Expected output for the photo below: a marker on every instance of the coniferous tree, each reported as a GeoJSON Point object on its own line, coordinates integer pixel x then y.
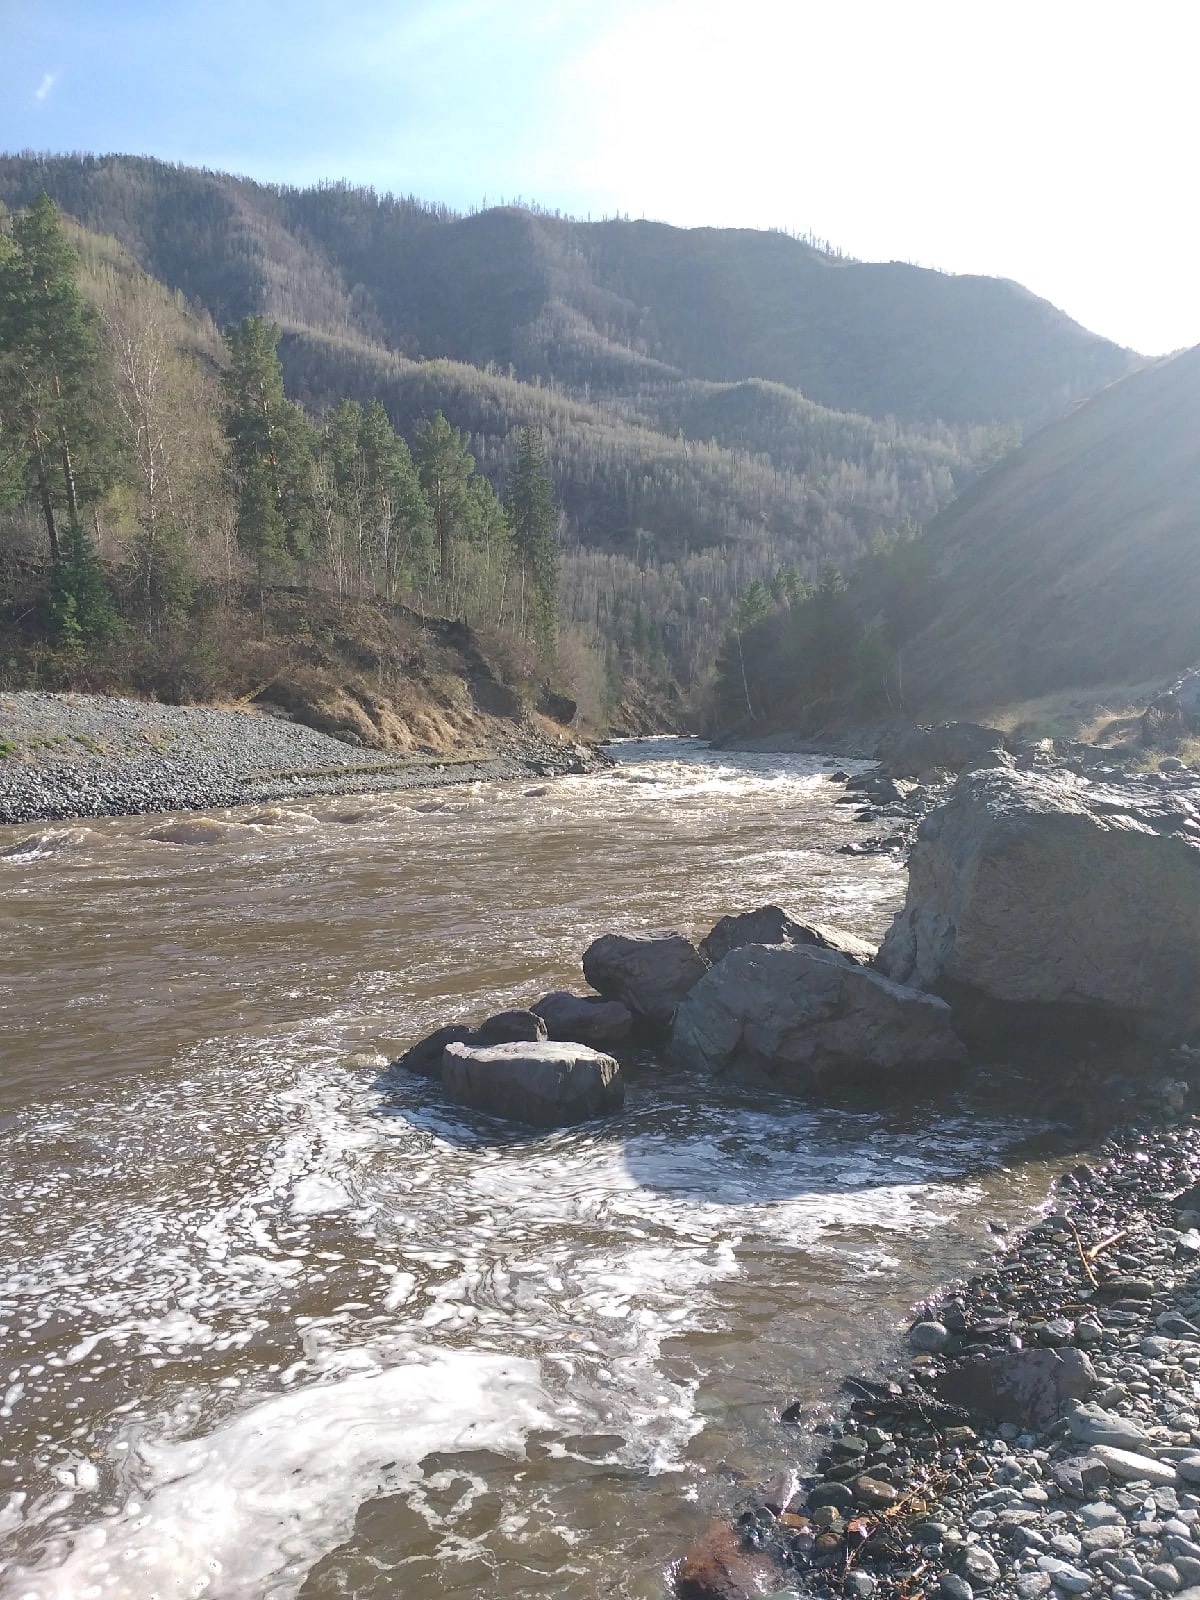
{"type": "Point", "coordinates": [400, 521]}
{"type": "Point", "coordinates": [273, 448]}
{"type": "Point", "coordinates": [533, 512]}
{"type": "Point", "coordinates": [52, 376]}
{"type": "Point", "coordinates": [445, 466]}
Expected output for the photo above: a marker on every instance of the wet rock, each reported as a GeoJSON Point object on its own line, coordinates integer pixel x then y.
{"type": "Point", "coordinates": [720, 1566]}
{"type": "Point", "coordinates": [873, 1492]}
{"type": "Point", "coordinates": [778, 1494]}
{"type": "Point", "coordinates": [797, 1015]}
{"type": "Point", "coordinates": [544, 1084]}
{"type": "Point", "coordinates": [584, 1019]}
{"type": "Point", "coordinates": [837, 1495]}
{"type": "Point", "coordinates": [1028, 1388]}
{"type": "Point", "coordinates": [1028, 889]}
{"type": "Point", "coordinates": [425, 1057]}
{"type": "Point", "coordinates": [1175, 713]}
{"type": "Point", "coordinates": [953, 1587]}
{"type": "Point", "coordinates": [649, 973]}
{"type": "Point", "coordinates": [929, 1336]}
{"type": "Point", "coordinates": [950, 746]}
{"type": "Point", "coordinates": [773, 925]}
{"type": "Point", "coordinates": [510, 1027]}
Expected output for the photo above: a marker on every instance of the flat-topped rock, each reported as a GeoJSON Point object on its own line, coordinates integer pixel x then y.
{"type": "Point", "coordinates": [542, 1083]}
{"type": "Point", "coordinates": [799, 1016]}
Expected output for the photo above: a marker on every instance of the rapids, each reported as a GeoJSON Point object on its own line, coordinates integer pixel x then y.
{"type": "Point", "coordinates": [276, 1323]}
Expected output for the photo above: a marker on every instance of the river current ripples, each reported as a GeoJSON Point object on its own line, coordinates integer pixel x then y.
{"type": "Point", "coordinates": [275, 1322]}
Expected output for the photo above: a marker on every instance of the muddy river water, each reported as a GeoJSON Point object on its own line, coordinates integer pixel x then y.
{"type": "Point", "coordinates": [275, 1323]}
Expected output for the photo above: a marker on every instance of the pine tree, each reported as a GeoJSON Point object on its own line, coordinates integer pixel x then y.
{"type": "Point", "coordinates": [445, 466]}
{"type": "Point", "coordinates": [52, 374]}
{"type": "Point", "coordinates": [533, 512]}
{"type": "Point", "coordinates": [400, 520]}
{"type": "Point", "coordinates": [273, 450]}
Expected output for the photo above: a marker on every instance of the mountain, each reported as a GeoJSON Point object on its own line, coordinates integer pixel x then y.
{"type": "Point", "coordinates": [609, 305]}
{"type": "Point", "coordinates": [1076, 560]}
{"type": "Point", "coordinates": [718, 404]}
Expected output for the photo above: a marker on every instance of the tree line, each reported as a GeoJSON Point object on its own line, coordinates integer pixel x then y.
{"type": "Point", "coordinates": [799, 653]}
{"type": "Point", "coordinates": [162, 463]}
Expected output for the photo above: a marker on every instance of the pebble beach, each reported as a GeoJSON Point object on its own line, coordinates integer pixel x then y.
{"type": "Point", "coordinates": [64, 756]}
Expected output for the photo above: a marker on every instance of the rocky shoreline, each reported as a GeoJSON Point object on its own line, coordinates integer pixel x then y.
{"type": "Point", "coordinates": [73, 756]}
{"type": "Point", "coordinates": [1043, 1437]}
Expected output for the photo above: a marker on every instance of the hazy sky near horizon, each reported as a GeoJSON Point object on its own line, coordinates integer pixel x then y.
{"type": "Point", "coordinates": [1050, 141]}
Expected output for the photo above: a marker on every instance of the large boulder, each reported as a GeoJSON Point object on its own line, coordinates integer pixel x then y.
{"type": "Point", "coordinates": [773, 925]}
{"type": "Point", "coordinates": [1174, 714]}
{"type": "Point", "coordinates": [584, 1018]}
{"type": "Point", "coordinates": [952, 746]}
{"type": "Point", "coordinates": [1028, 1388]}
{"type": "Point", "coordinates": [547, 1085]}
{"type": "Point", "coordinates": [801, 1016]}
{"type": "Point", "coordinates": [1045, 890]}
{"type": "Point", "coordinates": [648, 972]}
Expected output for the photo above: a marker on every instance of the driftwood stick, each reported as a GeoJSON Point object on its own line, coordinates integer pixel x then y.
{"type": "Point", "coordinates": [1105, 1244]}
{"type": "Point", "coordinates": [1084, 1262]}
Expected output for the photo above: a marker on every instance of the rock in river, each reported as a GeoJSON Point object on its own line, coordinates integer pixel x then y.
{"type": "Point", "coordinates": [773, 925]}
{"type": "Point", "coordinates": [506, 1027]}
{"type": "Point", "coordinates": [799, 1015]}
{"type": "Point", "coordinates": [952, 746]}
{"type": "Point", "coordinates": [584, 1019]}
{"type": "Point", "coordinates": [1026, 888]}
{"type": "Point", "coordinates": [544, 1084]}
{"type": "Point", "coordinates": [648, 972]}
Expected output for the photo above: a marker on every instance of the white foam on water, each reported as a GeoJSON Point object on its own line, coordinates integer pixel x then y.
{"type": "Point", "coordinates": [242, 1512]}
{"type": "Point", "coordinates": [48, 843]}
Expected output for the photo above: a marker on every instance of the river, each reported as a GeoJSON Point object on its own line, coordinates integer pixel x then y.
{"type": "Point", "coordinates": [274, 1323]}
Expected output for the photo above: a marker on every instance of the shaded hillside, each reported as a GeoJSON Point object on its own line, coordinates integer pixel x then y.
{"type": "Point", "coordinates": [1076, 561]}
{"type": "Point", "coordinates": [607, 305]}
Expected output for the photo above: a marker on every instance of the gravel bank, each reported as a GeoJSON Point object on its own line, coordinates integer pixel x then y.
{"type": "Point", "coordinates": [1044, 1438]}
{"type": "Point", "coordinates": [64, 756]}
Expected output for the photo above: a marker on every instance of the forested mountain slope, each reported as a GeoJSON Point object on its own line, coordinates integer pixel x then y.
{"type": "Point", "coordinates": [720, 408]}
{"type": "Point", "coordinates": [608, 305]}
{"type": "Point", "coordinates": [1076, 561]}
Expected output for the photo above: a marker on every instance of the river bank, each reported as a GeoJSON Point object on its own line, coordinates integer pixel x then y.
{"type": "Point", "coordinates": [1042, 1438]}
{"type": "Point", "coordinates": [74, 756]}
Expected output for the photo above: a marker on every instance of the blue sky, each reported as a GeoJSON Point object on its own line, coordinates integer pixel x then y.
{"type": "Point", "coordinates": [1050, 141]}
